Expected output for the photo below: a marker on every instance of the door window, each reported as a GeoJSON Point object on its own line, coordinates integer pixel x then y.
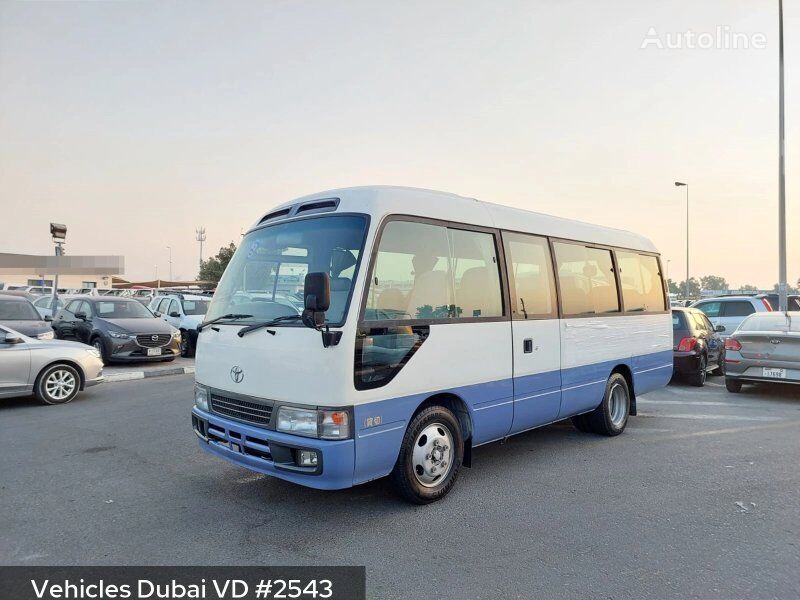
{"type": "Point", "coordinates": [531, 276]}
{"type": "Point", "coordinates": [640, 279]}
{"type": "Point", "coordinates": [711, 309]}
{"type": "Point", "coordinates": [737, 309]}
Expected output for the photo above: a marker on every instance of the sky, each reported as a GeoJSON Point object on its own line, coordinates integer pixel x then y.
{"type": "Point", "coordinates": [136, 122]}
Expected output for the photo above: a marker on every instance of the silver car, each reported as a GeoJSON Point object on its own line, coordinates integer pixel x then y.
{"type": "Point", "coordinates": [53, 370]}
{"type": "Point", "coordinates": [765, 347]}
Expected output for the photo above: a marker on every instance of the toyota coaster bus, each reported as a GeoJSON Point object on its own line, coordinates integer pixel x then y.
{"type": "Point", "coordinates": [375, 331]}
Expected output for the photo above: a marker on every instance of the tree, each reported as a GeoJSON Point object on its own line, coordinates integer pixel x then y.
{"type": "Point", "coordinates": [673, 287]}
{"type": "Point", "coordinates": [213, 268]}
{"type": "Point", "coordinates": [747, 287]}
{"type": "Point", "coordinates": [693, 291]}
{"type": "Point", "coordinates": [712, 282]}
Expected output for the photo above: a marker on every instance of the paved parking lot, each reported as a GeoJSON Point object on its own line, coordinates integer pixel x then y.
{"type": "Point", "coordinates": [698, 499]}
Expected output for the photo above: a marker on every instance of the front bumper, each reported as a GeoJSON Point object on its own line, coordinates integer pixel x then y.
{"type": "Point", "coordinates": [129, 351]}
{"type": "Point", "coordinates": [270, 452]}
{"type": "Point", "coordinates": [97, 380]}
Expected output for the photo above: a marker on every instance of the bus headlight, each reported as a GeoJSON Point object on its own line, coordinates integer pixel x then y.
{"type": "Point", "coordinates": [201, 397]}
{"type": "Point", "coordinates": [299, 421]}
{"type": "Point", "coordinates": [324, 424]}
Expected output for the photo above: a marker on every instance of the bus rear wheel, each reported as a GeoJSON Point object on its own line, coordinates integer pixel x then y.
{"type": "Point", "coordinates": [430, 456]}
{"type": "Point", "coordinates": [611, 417]}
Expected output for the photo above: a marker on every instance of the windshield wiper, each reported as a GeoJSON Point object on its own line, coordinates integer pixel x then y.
{"type": "Point", "coordinates": [270, 323]}
{"type": "Point", "coordinates": [231, 316]}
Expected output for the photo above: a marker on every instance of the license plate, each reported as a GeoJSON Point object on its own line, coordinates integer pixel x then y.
{"type": "Point", "coordinates": [154, 352]}
{"type": "Point", "coordinates": [775, 373]}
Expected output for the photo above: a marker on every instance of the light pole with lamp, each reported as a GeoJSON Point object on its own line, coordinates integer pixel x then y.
{"type": "Point", "coordinates": [170, 262]}
{"type": "Point", "coordinates": [58, 232]}
{"type": "Point", "coordinates": [686, 185]}
{"type": "Point", "coordinates": [783, 300]}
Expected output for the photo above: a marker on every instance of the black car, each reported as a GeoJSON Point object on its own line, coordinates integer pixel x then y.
{"type": "Point", "coordinates": [120, 328]}
{"type": "Point", "coordinates": [19, 314]}
{"type": "Point", "coordinates": [697, 348]}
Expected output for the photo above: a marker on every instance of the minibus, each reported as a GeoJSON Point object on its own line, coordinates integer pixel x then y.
{"type": "Point", "coordinates": [386, 331]}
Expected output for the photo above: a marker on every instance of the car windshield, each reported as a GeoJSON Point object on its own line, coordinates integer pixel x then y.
{"type": "Point", "coordinates": [266, 275]}
{"type": "Point", "coordinates": [16, 310]}
{"type": "Point", "coordinates": [121, 309]}
{"type": "Point", "coordinates": [195, 307]}
{"type": "Point", "coordinates": [678, 321]}
{"type": "Point", "coordinates": [779, 322]}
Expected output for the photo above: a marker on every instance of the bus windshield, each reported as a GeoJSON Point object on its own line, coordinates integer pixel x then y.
{"type": "Point", "coordinates": [266, 275]}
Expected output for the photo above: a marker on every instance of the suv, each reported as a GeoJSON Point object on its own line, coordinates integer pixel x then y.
{"type": "Point", "coordinates": [794, 301]}
{"type": "Point", "coordinates": [726, 313]}
{"type": "Point", "coordinates": [184, 312]}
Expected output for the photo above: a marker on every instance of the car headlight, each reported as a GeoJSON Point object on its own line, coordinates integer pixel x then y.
{"type": "Point", "coordinates": [94, 352]}
{"type": "Point", "coordinates": [176, 333]}
{"type": "Point", "coordinates": [201, 397]}
{"type": "Point", "coordinates": [324, 424]}
{"type": "Point", "coordinates": [47, 335]}
{"type": "Point", "coordinates": [120, 335]}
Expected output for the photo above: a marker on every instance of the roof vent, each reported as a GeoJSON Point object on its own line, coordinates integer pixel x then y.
{"type": "Point", "coordinates": [276, 214]}
{"type": "Point", "coordinates": [326, 205]}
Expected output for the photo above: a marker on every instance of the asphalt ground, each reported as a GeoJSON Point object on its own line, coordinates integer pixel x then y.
{"type": "Point", "coordinates": [697, 499]}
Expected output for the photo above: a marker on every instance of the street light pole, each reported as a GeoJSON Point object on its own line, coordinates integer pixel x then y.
{"type": "Point", "coordinates": [170, 262]}
{"type": "Point", "coordinates": [59, 234]}
{"type": "Point", "coordinates": [782, 287]}
{"type": "Point", "coordinates": [686, 185]}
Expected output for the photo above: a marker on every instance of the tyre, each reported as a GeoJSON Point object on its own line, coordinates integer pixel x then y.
{"type": "Point", "coordinates": [698, 379]}
{"type": "Point", "coordinates": [611, 417]}
{"type": "Point", "coordinates": [581, 423]}
{"type": "Point", "coordinates": [57, 384]}
{"type": "Point", "coordinates": [98, 344]}
{"type": "Point", "coordinates": [187, 350]}
{"type": "Point", "coordinates": [732, 385]}
{"type": "Point", "coordinates": [430, 456]}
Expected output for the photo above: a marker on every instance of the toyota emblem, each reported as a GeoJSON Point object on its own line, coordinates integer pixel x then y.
{"type": "Point", "coordinates": [237, 374]}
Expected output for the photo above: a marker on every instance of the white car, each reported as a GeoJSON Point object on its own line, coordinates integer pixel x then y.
{"type": "Point", "coordinates": [184, 312]}
{"type": "Point", "coordinates": [52, 370]}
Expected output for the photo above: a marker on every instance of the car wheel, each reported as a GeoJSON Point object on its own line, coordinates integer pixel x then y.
{"type": "Point", "coordinates": [98, 344]}
{"type": "Point", "coordinates": [430, 456]}
{"type": "Point", "coordinates": [57, 384]}
{"type": "Point", "coordinates": [187, 351]}
{"type": "Point", "coordinates": [732, 385]}
{"type": "Point", "coordinates": [611, 417]}
{"type": "Point", "coordinates": [698, 379]}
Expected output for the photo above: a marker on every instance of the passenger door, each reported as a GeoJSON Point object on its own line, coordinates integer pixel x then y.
{"type": "Point", "coordinates": [535, 331]}
{"type": "Point", "coordinates": [64, 323]}
{"type": "Point", "coordinates": [83, 327]}
{"type": "Point", "coordinates": [173, 308]}
{"type": "Point", "coordinates": [15, 366]}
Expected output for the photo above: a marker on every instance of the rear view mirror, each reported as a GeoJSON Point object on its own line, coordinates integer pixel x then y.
{"type": "Point", "coordinates": [719, 328]}
{"type": "Point", "coordinates": [156, 313]}
{"type": "Point", "coordinates": [12, 338]}
{"type": "Point", "coordinates": [175, 315]}
{"type": "Point", "coordinates": [317, 292]}
{"type": "Point", "coordinates": [48, 318]}
{"type": "Point", "coordinates": [80, 315]}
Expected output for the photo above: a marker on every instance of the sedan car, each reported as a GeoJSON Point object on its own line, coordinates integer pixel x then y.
{"type": "Point", "coordinates": [19, 314]}
{"type": "Point", "coordinates": [765, 347]}
{"type": "Point", "coordinates": [697, 347]}
{"type": "Point", "coordinates": [121, 329]}
{"type": "Point", "coordinates": [54, 371]}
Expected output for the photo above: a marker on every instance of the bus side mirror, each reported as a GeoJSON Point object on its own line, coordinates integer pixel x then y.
{"type": "Point", "coordinates": [317, 294]}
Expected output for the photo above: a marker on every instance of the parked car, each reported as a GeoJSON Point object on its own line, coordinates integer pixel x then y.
{"type": "Point", "coordinates": [697, 348]}
{"type": "Point", "coordinates": [44, 304]}
{"type": "Point", "coordinates": [729, 311]}
{"type": "Point", "coordinates": [144, 296]}
{"type": "Point", "coordinates": [184, 312]}
{"type": "Point", "coordinates": [19, 294]}
{"type": "Point", "coordinates": [54, 371]}
{"type": "Point", "coordinates": [794, 301]}
{"type": "Point", "coordinates": [765, 347]}
{"type": "Point", "coordinates": [18, 313]}
{"type": "Point", "coordinates": [121, 329]}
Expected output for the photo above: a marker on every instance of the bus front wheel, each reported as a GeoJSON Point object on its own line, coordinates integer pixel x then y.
{"type": "Point", "coordinates": [430, 456]}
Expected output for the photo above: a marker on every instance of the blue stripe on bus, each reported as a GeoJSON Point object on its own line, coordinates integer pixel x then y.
{"type": "Point", "coordinates": [496, 411]}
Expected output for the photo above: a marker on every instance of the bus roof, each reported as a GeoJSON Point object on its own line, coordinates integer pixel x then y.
{"type": "Point", "coordinates": [379, 201]}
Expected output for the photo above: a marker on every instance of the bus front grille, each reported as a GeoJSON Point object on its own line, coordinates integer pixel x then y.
{"type": "Point", "coordinates": [242, 410]}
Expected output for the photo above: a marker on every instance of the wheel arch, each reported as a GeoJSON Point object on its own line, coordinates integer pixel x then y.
{"type": "Point", "coordinates": [62, 361]}
{"type": "Point", "coordinates": [626, 372]}
{"type": "Point", "coordinates": [459, 408]}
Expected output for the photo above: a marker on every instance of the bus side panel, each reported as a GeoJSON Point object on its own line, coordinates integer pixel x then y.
{"type": "Point", "coordinates": [377, 446]}
{"type": "Point", "coordinates": [652, 356]}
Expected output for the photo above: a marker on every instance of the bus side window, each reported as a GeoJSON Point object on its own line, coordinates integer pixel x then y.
{"type": "Point", "coordinates": [587, 280]}
{"type": "Point", "coordinates": [531, 276]}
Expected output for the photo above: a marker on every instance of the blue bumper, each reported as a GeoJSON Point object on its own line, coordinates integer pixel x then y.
{"type": "Point", "coordinates": [270, 452]}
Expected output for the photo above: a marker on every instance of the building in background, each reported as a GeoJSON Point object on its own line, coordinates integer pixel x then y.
{"type": "Point", "coordinates": [73, 271]}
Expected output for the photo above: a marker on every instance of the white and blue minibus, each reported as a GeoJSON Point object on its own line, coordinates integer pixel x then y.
{"type": "Point", "coordinates": [386, 331]}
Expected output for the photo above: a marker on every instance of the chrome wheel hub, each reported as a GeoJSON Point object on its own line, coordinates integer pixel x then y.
{"type": "Point", "coordinates": [60, 384]}
{"type": "Point", "coordinates": [618, 404]}
{"type": "Point", "coordinates": [433, 454]}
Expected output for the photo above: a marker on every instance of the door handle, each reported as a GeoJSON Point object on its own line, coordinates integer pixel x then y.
{"type": "Point", "coordinates": [527, 346]}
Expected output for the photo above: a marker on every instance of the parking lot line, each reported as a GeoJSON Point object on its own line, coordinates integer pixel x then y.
{"type": "Point", "coordinates": [698, 403]}
{"type": "Point", "coordinates": [701, 417]}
